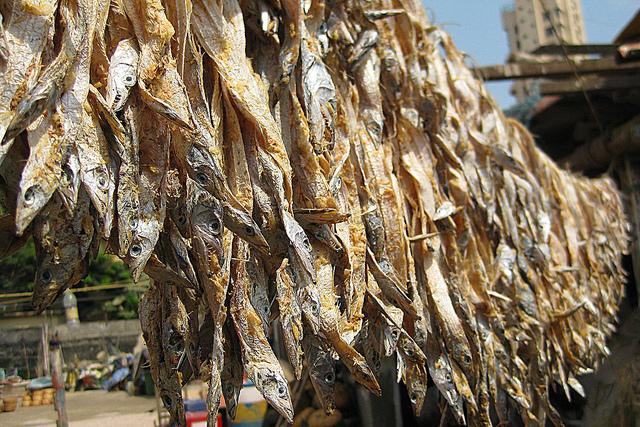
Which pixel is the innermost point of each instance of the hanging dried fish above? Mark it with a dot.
(341, 171)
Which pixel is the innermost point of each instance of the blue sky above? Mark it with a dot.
(476, 28)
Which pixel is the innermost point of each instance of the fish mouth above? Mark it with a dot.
(41, 300)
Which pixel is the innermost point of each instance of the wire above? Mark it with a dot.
(115, 285)
(572, 64)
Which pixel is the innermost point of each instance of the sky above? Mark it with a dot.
(476, 28)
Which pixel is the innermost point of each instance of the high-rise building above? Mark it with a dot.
(529, 25)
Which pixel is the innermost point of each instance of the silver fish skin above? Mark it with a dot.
(258, 291)
(70, 183)
(123, 74)
(98, 169)
(232, 370)
(154, 149)
(24, 36)
(290, 317)
(48, 137)
(204, 216)
(319, 99)
(41, 175)
(62, 245)
(241, 224)
(261, 364)
(322, 372)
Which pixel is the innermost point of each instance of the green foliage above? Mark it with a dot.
(106, 269)
(18, 270)
(124, 306)
(17, 273)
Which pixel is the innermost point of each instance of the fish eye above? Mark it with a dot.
(394, 334)
(413, 397)
(315, 307)
(135, 250)
(249, 230)
(266, 309)
(46, 276)
(467, 359)
(102, 180)
(409, 352)
(128, 79)
(329, 378)
(201, 177)
(66, 174)
(448, 377)
(282, 391)
(30, 195)
(215, 226)
(133, 222)
(182, 220)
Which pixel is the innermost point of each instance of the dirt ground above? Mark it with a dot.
(89, 409)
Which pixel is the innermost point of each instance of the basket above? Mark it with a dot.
(10, 404)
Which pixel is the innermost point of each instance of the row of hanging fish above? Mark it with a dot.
(329, 169)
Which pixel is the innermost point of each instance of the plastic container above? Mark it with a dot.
(199, 419)
(70, 308)
(251, 407)
(195, 405)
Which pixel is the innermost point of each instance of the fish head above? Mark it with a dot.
(172, 400)
(231, 397)
(322, 371)
(416, 381)
(122, 74)
(241, 224)
(180, 219)
(103, 186)
(207, 220)
(30, 200)
(203, 170)
(52, 278)
(410, 349)
(443, 378)
(462, 355)
(310, 305)
(31, 107)
(273, 386)
(142, 245)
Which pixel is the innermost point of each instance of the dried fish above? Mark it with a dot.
(352, 184)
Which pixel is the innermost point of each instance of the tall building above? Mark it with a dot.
(529, 25)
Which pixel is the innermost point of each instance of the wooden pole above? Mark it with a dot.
(44, 338)
(26, 361)
(55, 356)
